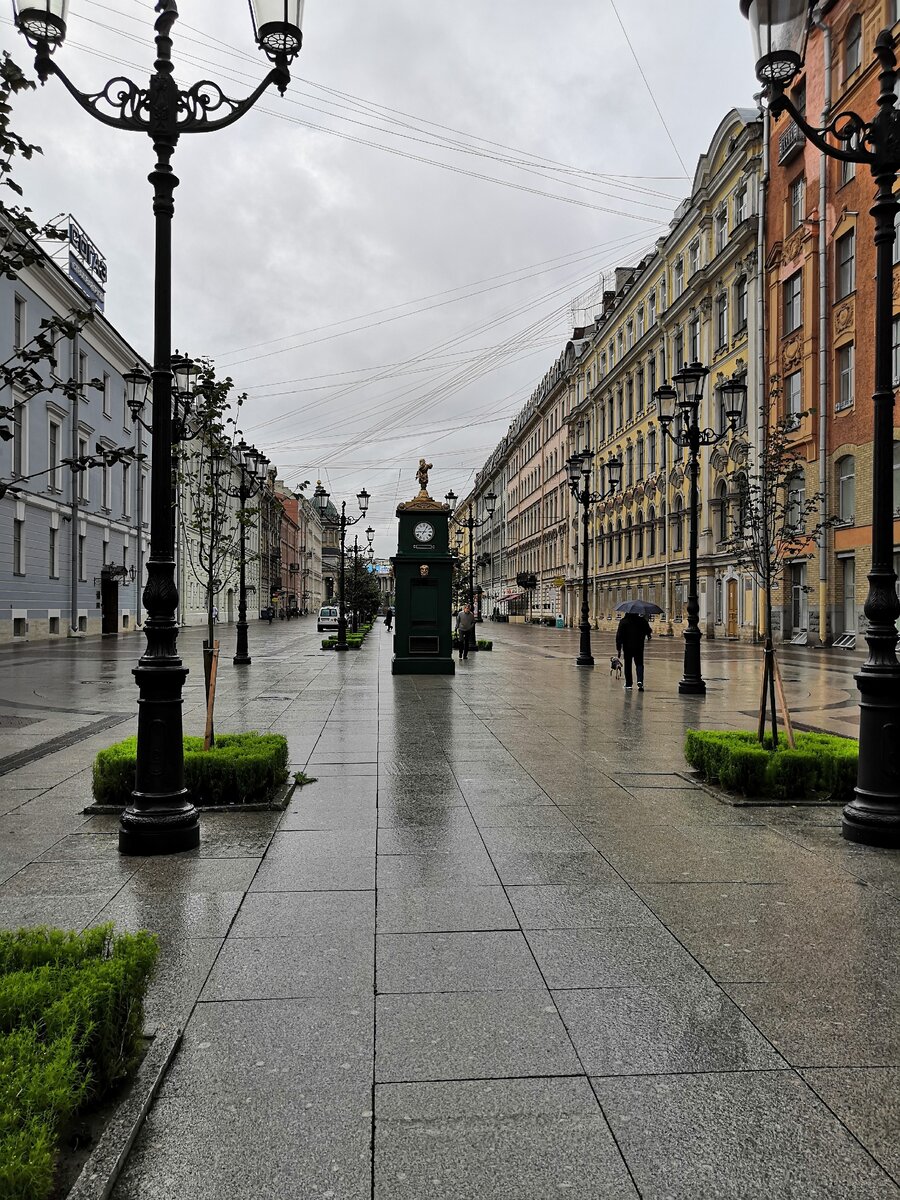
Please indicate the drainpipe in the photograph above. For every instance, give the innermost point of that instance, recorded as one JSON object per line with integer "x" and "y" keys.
{"x": 761, "y": 371}
{"x": 139, "y": 526}
{"x": 75, "y": 477}
{"x": 823, "y": 340}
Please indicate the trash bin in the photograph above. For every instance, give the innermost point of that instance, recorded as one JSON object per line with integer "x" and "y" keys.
{"x": 560, "y": 623}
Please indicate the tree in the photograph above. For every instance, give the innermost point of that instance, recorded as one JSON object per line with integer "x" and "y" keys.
{"x": 206, "y": 466}
{"x": 776, "y": 519}
{"x": 363, "y": 592}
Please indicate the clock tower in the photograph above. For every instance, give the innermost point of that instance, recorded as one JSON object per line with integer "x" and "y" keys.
{"x": 423, "y": 571}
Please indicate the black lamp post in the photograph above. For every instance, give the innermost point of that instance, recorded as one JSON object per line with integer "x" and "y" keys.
{"x": 579, "y": 470}
{"x": 686, "y": 396}
{"x": 161, "y": 818}
{"x": 321, "y": 498}
{"x": 471, "y": 523}
{"x": 251, "y": 465}
{"x": 779, "y": 35}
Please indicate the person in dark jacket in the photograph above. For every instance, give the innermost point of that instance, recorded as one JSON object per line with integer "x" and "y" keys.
{"x": 465, "y": 629}
{"x": 633, "y": 631}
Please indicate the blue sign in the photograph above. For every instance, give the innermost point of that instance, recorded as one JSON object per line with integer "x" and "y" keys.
{"x": 87, "y": 266}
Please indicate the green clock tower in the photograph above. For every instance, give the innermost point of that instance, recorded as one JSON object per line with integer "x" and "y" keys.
{"x": 423, "y": 570}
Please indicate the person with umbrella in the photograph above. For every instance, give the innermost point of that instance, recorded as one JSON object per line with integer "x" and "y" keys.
{"x": 634, "y": 629}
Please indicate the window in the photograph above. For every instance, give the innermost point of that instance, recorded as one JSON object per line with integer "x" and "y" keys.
{"x": 852, "y": 46}
{"x": 54, "y": 553}
{"x": 797, "y": 203}
{"x": 107, "y": 396}
{"x": 722, "y": 514}
{"x": 678, "y": 348}
{"x": 620, "y": 344}
{"x": 640, "y": 322}
{"x": 639, "y": 536}
{"x": 20, "y": 323}
{"x": 847, "y": 171}
{"x": 82, "y": 367}
{"x": 793, "y": 398}
{"x": 694, "y": 257}
{"x": 679, "y": 277}
{"x": 54, "y": 475}
{"x": 126, "y": 490}
{"x": 662, "y": 528}
{"x": 106, "y": 487}
{"x": 846, "y": 264}
{"x": 897, "y": 229}
{"x": 630, "y": 334}
{"x": 694, "y": 336}
{"x": 845, "y": 357}
{"x": 82, "y": 574}
{"x": 651, "y": 303}
{"x": 792, "y": 309}
{"x": 628, "y": 540}
{"x": 895, "y": 351}
{"x": 620, "y": 409}
{"x": 651, "y": 532}
{"x": 629, "y": 395}
{"x": 796, "y": 501}
{"x": 19, "y": 440}
{"x": 602, "y": 364}
{"x": 651, "y": 452}
{"x": 740, "y": 205}
{"x": 640, "y": 391}
{"x": 896, "y": 477}
{"x": 846, "y": 489}
{"x": 629, "y": 467}
{"x": 721, "y": 230}
{"x": 678, "y": 526}
{"x": 663, "y": 294}
{"x": 640, "y": 458}
{"x": 740, "y": 304}
{"x": 618, "y": 541}
{"x": 722, "y": 321}
{"x": 848, "y": 581}
{"x": 18, "y": 547}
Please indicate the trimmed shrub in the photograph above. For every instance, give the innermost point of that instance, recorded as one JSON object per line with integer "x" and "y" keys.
{"x": 71, "y": 1014}
{"x": 823, "y": 764}
{"x": 241, "y": 768}
{"x": 484, "y": 644}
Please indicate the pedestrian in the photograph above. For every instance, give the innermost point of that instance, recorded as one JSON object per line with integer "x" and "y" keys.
{"x": 270, "y": 613}
{"x": 388, "y": 617}
{"x": 215, "y": 614}
{"x": 465, "y": 629}
{"x": 631, "y": 634}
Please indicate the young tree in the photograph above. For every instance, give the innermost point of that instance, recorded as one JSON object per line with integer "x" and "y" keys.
{"x": 776, "y": 519}
{"x": 207, "y": 478}
{"x": 363, "y": 593}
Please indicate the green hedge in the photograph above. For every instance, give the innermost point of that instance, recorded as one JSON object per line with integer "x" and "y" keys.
{"x": 821, "y": 765}
{"x": 241, "y": 768}
{"x": 484, "y": 644}
{"x": 71, "y": 1016}
{"x": 354, "y": 640}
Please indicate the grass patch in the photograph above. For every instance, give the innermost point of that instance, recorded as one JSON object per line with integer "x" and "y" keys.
{"x": 302, "y": 779}
{"x": 822, "y": 766}
{"x": 484, "y": 644}
{"x": 241, "y": 768}
{"x": 71, "y": 1017}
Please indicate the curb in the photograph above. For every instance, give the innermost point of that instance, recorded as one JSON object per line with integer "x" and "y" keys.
{"x": 278, "y": 802}
{"x": 735, "y": 801}
{"x": 100, "y": 1173}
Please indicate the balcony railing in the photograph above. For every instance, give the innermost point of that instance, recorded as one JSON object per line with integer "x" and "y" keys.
{"x": 790, "y": 142}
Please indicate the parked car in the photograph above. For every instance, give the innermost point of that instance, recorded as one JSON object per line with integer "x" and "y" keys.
{"x": 328, "y": 618}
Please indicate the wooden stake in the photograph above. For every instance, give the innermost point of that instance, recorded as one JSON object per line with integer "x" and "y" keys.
{"x": 779, "y": 688}
{"x": 211, "y": 699}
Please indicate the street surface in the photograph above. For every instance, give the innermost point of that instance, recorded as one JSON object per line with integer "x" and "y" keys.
{"x": 500, "y": 949}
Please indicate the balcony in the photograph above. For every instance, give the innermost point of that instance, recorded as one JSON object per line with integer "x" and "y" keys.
{"x": 790, "y": 142}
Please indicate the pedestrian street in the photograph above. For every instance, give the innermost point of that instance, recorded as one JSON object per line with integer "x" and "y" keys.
{"x": 502, "y": 947}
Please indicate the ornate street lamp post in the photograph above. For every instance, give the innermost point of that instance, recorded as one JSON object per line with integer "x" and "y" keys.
{"x": 686, "y": 396}
{"x": 161, "y": 818}
{"x": 579, "y": 472}
{"x": 321, "y": 498}
{"x": 779, "y": 35}
{"x": 471, "y": 523}
{"x": 251, "y": 465}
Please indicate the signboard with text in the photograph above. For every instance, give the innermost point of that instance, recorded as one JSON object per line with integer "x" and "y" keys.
{"x": 87, "y": 266}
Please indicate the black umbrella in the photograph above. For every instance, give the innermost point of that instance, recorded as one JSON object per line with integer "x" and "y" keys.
{"x": 643, "y": 608}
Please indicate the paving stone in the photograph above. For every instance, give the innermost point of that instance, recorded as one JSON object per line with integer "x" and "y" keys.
{"x": 434, "y": 870}
{"x": 315, "y": 874}
{"x": 175, "y": 917}
{"x": 455, "y": 962}
{"x": 339, "y": 961}
{"x": 561, "y": 906}
{"x": 549, "y": 867}
{"x": 867, "y": 1101}
{"x": 291, "y": 914}
{"x": 688, "y": 1136}
{"x": 487, "y": 1035}
{"x": 510, "y": 1139}
{"x": 601, "y": 958}
{"x": 443, "y": 909}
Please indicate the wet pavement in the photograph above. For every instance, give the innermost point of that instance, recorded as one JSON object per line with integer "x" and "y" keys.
{"x": 501, "y": 948}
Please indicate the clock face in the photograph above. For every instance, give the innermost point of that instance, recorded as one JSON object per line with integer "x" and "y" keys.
{"x": 424, "y": 532}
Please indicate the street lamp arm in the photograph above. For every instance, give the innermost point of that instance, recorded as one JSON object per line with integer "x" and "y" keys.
{"x": 846, "y": 127}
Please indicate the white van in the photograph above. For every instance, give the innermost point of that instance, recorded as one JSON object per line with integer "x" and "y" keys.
{"x": 328, "y": 618}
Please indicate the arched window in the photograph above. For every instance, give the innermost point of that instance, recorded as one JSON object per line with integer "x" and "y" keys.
{"x": 796, "y": 503}
{"x": 639, "y": 536}
{"x": 628, "y": 543}
{"x": 678, "y": 526}
{"x": 846, "y": 488}
{"x": 609, "y": 543}
{"x": 722, "y": 511}
{"x": 853, "y": 46}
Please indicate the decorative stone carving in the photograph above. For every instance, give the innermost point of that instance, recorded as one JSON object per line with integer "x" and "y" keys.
{"x": 793, "y": 246}
{"x": 843, "y": 316}
{"x": 791, "y": 353}
{"x": 706, "y": 305}
{"x": 719, "y": 458}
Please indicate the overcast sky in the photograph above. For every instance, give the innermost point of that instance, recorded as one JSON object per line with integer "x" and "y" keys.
{"x": 388, "y": 259}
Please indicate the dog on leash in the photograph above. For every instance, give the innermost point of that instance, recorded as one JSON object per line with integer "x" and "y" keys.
{"x": 615, "y": 667}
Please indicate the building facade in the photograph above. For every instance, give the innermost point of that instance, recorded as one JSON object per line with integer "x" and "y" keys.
{"x": 74, "y": 471}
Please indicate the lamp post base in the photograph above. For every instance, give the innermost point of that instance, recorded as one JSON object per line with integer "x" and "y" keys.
{"x": 584, "y": 660}
{"x": 159, "y": 830}
{"x": 242, "y": 660}
{"x": 691, "y": 687}
{"x": 870, "y": 827}
{"x": 873, "y": 815}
